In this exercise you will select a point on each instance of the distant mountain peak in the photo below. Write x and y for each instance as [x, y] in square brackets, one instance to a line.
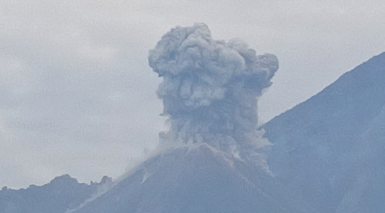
[64, 179]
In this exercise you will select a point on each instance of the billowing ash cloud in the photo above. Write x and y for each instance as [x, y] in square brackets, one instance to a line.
[210, 89]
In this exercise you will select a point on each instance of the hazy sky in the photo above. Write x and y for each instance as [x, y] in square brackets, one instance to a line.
[77, 95]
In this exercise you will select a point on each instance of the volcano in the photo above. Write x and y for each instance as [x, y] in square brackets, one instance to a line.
[212, 158]
[196, 179]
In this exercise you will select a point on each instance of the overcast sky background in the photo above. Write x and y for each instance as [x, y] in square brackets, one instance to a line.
[77, 95]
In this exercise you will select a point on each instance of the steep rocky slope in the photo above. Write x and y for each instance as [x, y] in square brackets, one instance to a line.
[330, 148]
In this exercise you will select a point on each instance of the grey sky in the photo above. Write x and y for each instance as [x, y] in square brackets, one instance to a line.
[77, 95]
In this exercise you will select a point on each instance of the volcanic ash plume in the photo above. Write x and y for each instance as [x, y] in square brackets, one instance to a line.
[210, 89]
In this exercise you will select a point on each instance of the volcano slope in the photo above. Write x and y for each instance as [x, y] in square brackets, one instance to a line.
[196, 179]
[331, 148]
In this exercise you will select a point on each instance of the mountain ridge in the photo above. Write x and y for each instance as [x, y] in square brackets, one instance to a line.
[60, 194]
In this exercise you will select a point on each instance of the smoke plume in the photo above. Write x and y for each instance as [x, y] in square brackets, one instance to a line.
[210, 89]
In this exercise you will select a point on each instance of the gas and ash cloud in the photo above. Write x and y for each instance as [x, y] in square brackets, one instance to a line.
[210, 89]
